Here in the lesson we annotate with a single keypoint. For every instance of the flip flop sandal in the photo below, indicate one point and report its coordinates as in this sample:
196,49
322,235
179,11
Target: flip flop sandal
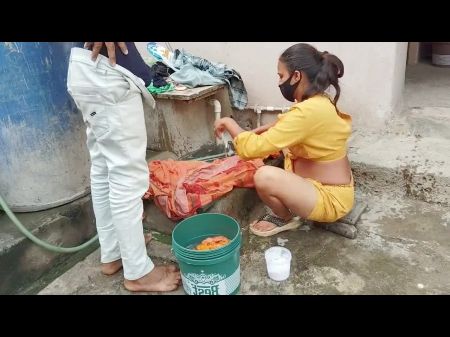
282,225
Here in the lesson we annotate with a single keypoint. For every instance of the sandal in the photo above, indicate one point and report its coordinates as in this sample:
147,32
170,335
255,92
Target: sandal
282,225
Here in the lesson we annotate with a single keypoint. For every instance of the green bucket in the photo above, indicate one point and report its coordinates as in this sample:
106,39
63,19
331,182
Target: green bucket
210,272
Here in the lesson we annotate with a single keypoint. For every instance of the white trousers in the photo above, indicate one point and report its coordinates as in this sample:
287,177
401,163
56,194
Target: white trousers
110,99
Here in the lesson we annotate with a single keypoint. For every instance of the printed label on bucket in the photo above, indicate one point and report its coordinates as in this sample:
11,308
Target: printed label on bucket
211,284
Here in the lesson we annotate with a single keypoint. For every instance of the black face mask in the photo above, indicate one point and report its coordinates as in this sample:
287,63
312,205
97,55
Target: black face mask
287,89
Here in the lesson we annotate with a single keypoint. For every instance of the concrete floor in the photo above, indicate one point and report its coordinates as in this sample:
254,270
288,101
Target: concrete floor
85,278
411,155
427,86
403,247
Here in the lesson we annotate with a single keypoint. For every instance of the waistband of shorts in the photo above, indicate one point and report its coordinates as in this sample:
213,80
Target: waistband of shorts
351,184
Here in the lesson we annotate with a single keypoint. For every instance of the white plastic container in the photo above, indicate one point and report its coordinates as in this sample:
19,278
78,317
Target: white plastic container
278,261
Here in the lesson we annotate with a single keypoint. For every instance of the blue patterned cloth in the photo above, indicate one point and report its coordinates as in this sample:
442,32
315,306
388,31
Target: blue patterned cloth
194,71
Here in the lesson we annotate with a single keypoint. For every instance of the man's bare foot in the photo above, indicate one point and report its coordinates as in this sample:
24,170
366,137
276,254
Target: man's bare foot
161,278
113,267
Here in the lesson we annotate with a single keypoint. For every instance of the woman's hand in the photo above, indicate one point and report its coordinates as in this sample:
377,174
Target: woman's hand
227,124
220,126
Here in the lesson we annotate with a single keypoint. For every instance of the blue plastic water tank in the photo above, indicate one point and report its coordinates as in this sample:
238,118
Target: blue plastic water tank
44,161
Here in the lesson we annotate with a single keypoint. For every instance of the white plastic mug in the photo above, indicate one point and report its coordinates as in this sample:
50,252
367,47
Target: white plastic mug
278,261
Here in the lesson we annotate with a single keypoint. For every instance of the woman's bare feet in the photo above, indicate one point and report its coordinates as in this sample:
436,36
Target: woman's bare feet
161,278
113,267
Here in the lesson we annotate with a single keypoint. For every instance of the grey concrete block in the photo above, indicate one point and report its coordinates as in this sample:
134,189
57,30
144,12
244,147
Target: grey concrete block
340,228
353,217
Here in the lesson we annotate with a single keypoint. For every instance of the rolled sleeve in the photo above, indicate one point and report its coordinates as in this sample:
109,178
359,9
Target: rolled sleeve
291,128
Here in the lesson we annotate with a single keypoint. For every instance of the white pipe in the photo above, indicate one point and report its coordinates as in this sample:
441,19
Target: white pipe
217,112
217,108
259,109
258,114
267,108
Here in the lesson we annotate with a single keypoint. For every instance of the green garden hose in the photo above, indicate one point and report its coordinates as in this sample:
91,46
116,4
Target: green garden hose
39,242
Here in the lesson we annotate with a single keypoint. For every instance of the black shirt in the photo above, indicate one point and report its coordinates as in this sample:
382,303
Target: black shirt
132,62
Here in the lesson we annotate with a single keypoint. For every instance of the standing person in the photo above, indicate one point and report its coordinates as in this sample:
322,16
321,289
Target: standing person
109,91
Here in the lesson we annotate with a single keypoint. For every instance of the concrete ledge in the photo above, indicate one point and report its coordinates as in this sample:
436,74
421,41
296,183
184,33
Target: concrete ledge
237,204
183,121
191,94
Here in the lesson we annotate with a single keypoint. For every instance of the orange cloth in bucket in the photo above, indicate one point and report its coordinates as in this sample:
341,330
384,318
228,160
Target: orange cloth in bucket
213,243
180,188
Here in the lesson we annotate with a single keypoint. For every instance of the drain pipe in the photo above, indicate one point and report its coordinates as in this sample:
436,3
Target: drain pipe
217,112
226,139
217,108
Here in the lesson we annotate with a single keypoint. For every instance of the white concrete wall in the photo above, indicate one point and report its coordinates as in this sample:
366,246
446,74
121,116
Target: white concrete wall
372,85
399,69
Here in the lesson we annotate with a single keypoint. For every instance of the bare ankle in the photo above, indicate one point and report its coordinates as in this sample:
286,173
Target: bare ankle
111,268
282,215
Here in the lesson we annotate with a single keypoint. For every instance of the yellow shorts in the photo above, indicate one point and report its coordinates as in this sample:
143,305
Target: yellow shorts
333,201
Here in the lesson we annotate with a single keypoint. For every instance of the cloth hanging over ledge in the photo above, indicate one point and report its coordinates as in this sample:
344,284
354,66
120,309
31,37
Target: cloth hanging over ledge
180,188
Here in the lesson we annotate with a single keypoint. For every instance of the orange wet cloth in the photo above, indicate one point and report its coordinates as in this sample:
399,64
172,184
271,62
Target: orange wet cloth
213,243
180,188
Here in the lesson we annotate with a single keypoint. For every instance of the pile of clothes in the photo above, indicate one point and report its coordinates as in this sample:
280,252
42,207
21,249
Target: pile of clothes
180,188
159,74
173,69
